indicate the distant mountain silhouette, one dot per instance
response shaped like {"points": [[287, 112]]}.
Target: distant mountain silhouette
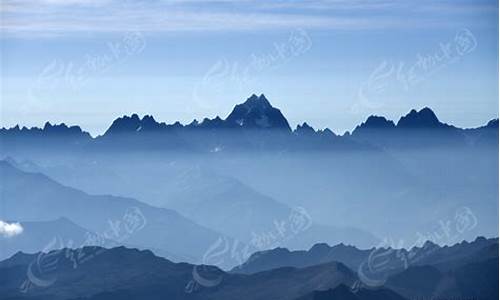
{"points": [[486, 135], [304, 129], [266, 128], [50, 130], [422, 119], [421, 129], [123, 220], [127, 124], [443, 258], [424, 279], [428, 271], [425, 118], [49, 235], [50, 138], [232, 208], [121, 273], [257, 112], [237, 179], [376, 122], [318, 254], [478, 280], [423, 169]]}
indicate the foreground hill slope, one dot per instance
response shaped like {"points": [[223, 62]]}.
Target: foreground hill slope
{"points": [[122, 273]]}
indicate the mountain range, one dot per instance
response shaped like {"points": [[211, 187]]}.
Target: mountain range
{"points": [[243, 176], [122, 220], [213, 205], [248, 194], [49, 235], [258, 125], [118, 273], [444, 258]]}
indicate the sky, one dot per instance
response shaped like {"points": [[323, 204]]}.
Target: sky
{"points": [[331, 63]]}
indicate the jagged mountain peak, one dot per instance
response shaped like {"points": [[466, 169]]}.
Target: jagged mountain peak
{"points": [[124, 124], [61, 128], [133, 123], [425, 118], [257, 112], [74, 132], [48, 126], [216, 122], [374, 122], [259, 102], [377, 122], [304, 129], [149, 119]]}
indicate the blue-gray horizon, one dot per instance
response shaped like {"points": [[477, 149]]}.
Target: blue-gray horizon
{"points": [[330, 63], [294, 126]]}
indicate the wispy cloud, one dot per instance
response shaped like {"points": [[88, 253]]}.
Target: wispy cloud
{"points": [[52, 17], [10, 229]]}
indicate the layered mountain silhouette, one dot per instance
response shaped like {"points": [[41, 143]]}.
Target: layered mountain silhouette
{"points": [[443, 258], [258, 168], [258, 124], [35, 197], [48, 131], [474, 279], [421, 129], [255, 113], [425, 118], [238, 187], [422, 119], [237, 210], [118, 273], [220, 203], [50, 235]]}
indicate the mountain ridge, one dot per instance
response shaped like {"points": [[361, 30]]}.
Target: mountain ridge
{"points": [[101, 214], [353, 257], [254, 125], [249, 114], [121, 272]]}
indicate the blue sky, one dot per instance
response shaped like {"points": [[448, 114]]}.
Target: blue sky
{"points": [[328, 62]]}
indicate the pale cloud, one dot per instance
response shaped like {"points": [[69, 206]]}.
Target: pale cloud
{"points": [[10, 229], [59, 17]]}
